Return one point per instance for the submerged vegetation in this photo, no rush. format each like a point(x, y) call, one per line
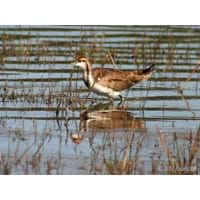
point(51, 124)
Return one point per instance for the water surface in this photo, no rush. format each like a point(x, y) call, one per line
point(89, 136)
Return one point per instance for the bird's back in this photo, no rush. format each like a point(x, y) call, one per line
point(120, 80)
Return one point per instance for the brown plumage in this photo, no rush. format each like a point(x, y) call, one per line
point(119, 80)
point(111, 82)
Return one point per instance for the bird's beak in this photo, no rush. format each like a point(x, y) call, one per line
point(74, 64)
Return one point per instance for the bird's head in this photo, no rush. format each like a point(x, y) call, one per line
point(81, 62)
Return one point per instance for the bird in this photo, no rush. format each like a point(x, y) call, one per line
point(108, 81)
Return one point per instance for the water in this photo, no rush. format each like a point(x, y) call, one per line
point(89, 136)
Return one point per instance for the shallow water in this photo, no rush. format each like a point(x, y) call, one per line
point(90, 136)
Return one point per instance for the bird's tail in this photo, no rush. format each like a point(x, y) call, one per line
point(149, 70)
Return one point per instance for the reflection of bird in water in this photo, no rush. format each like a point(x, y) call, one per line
point(103, 118)
point(77, 138)
point(111, 82)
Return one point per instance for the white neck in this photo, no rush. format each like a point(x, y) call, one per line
point(87, 74)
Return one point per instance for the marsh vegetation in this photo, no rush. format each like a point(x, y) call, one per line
point(157, 131)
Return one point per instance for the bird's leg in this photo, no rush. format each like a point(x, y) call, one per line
point(58, 108)
point(110, 100)
point(111, 103)
point(121, 100)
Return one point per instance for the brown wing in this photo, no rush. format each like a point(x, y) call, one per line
point(116, 79)
point(98, 73)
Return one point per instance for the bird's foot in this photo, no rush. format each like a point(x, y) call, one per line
point(121, 100)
